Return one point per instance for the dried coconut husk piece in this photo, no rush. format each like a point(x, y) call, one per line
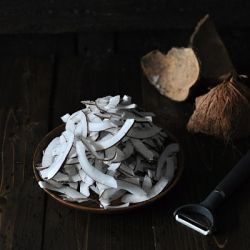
point(223, 112)
point(210, 50)
point(172, 74)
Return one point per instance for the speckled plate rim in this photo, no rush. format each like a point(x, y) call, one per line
point(82, 206)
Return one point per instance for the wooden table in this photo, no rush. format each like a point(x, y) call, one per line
point(37, 86)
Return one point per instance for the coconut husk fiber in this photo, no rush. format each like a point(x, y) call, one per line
point(223, 112)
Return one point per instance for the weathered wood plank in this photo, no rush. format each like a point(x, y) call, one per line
point(79, 16)
point(24, 120)
point(37, 45)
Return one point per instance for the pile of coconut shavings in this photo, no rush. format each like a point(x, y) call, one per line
point(112, 149)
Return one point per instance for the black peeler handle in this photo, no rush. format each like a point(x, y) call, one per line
point(239, 173)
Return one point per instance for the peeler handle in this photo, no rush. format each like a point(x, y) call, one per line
point(232, 180)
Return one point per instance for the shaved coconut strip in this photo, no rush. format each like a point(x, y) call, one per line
point(91, 146)
point(139, 165)
point(156, 189)
point(75, 178)
point(72, 153)
point(66, 198)
point(94, 173)
point(142, 133)
point(59, 149)
point(93, 136)
point(131, 115)
point(115, 174)
point(147, 183)
point(151, 173)
point(70, 126)
point(85, 184)
point(76, 118)
point(73, 185)
point(70, 169)
point(110, 153)
point(123, 155)
point(112, 194)
point(133, 180)
point(130, 106)
point(56, 165)
point(104, 115)
point(62, 139)
point(169, 150)
point(65, 118)
point(93, 118)
point(114, 166)
point(113, 102)
point(117, 206)
point(88, 102)
point(132, 188)
point(82, 175)
point(61, 177)
point(63, 189)
point(101, 187)
point(107, 143)
point(100, 126)
point(84, 189)
point(94, 189)
point(170, 168)
point(131, 198)
point(126, 169)
point(47, 159)
point(126, 100)
point(142, 149)
point(103, 203)
point(149, 142)
point(39, 166)
point(72, 161)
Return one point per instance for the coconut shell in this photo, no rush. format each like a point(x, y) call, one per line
point(223, 112)
point(172, 74)
point(209, 48)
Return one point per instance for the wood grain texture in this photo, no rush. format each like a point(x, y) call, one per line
point(24, 119)
point(78, 16)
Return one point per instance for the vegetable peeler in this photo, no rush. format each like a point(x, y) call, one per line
point(199, 217)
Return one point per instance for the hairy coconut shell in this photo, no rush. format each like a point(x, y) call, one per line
point(223, 112)
point(172, 74)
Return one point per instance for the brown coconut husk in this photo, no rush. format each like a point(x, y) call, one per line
point(223, 112)
point(211, 51)
point(172, 74)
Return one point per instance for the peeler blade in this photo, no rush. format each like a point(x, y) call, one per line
point(191, 224)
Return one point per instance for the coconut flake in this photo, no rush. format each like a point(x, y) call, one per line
point(91, 171)
point(47, 159)
point(55, 166)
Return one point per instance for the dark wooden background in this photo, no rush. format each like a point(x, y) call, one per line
point(53, 54)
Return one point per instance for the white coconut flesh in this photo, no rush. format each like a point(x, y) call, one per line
point(111, 150)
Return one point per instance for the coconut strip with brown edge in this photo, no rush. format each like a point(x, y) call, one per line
point(91, 171)
point(48, 158)
point(49, 172)
point(107, 143)
point(172, 74)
